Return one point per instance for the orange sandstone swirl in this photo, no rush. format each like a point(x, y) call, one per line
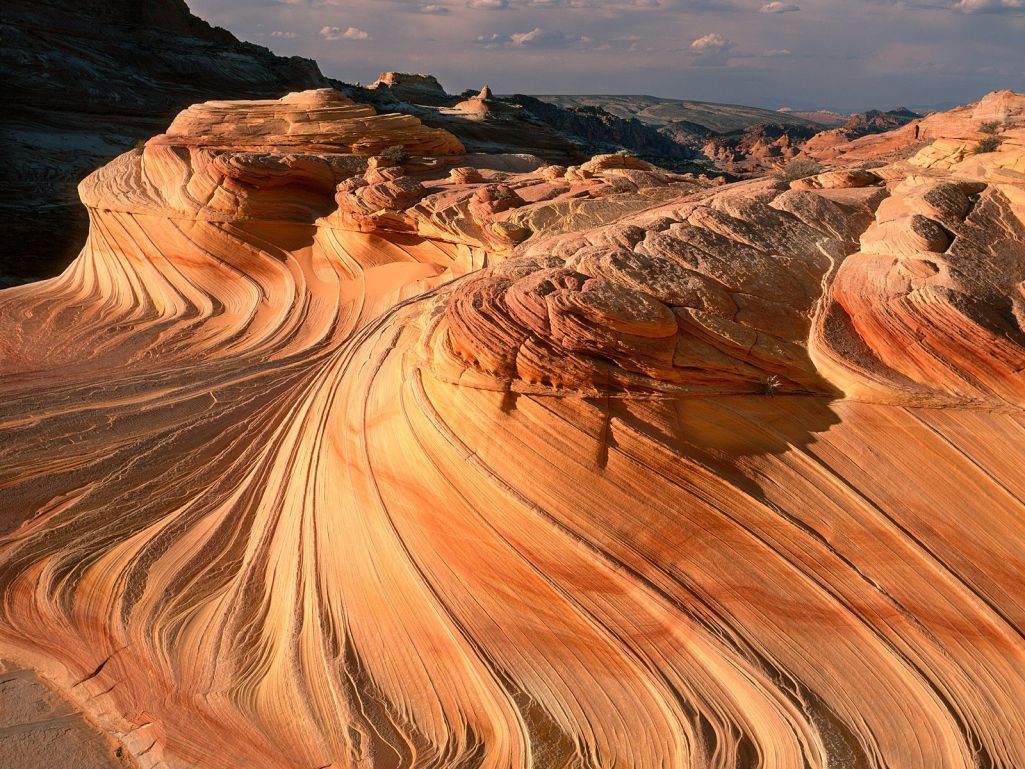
point(316, 459)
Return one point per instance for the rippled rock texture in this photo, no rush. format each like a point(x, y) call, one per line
point(339, 446)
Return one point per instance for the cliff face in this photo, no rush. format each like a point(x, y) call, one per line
point(83, 81)
point(338, 445)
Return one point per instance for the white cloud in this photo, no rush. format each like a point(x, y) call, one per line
point(279, 33)
point(990, 6)
point(778, 7)
point(713, 42)
point(434, 8)
point(538, 37)
point(488, 5)
point(712, 50)
point(335, 33)
point(534, 38)
point(778, 53)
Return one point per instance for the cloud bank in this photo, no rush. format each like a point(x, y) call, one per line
point(817, 53)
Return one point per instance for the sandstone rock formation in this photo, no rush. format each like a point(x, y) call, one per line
point(479, 104)
point(86, 79)
point(413, 88)
point(134, 65)
point(755, 149)
point(340, 446)
point(945, 132)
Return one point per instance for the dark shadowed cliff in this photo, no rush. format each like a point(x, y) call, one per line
point(84, 81)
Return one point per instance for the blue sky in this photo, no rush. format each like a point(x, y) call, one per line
point(841, 54)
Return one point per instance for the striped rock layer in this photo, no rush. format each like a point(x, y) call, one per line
point(338, 447)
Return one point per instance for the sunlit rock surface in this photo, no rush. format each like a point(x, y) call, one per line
point(338, 446)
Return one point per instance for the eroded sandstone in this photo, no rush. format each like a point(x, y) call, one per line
point(338, 446)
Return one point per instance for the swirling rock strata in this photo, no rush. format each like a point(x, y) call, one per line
point(322, 455)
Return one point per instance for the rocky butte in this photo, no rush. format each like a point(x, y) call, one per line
point(340, 446)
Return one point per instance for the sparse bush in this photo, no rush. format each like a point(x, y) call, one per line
point(798, 169)
point(992, 128)
point(772, 384)
point(623, 152)
point(396, 153)
point(989, 144)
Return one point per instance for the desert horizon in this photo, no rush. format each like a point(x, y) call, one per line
point(347, 422)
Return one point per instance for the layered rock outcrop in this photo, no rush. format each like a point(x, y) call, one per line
point(84, 80)
point(340, 446)
point(862, 124)
point(958, 130)
point(413, 88)
point(931, 308)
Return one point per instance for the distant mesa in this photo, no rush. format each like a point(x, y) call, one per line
point(827, 118)
point(413, 88)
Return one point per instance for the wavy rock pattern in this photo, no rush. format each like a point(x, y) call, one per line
point(316, 459)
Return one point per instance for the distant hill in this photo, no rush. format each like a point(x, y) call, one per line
point(876, 121)
point(656, 111)
point(824, 117)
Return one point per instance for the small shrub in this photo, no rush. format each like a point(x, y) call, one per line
point(989, 144)
point(992, 128)
point(624, 153)
point(396, 153)
point(772, 384)
point(798, 169)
